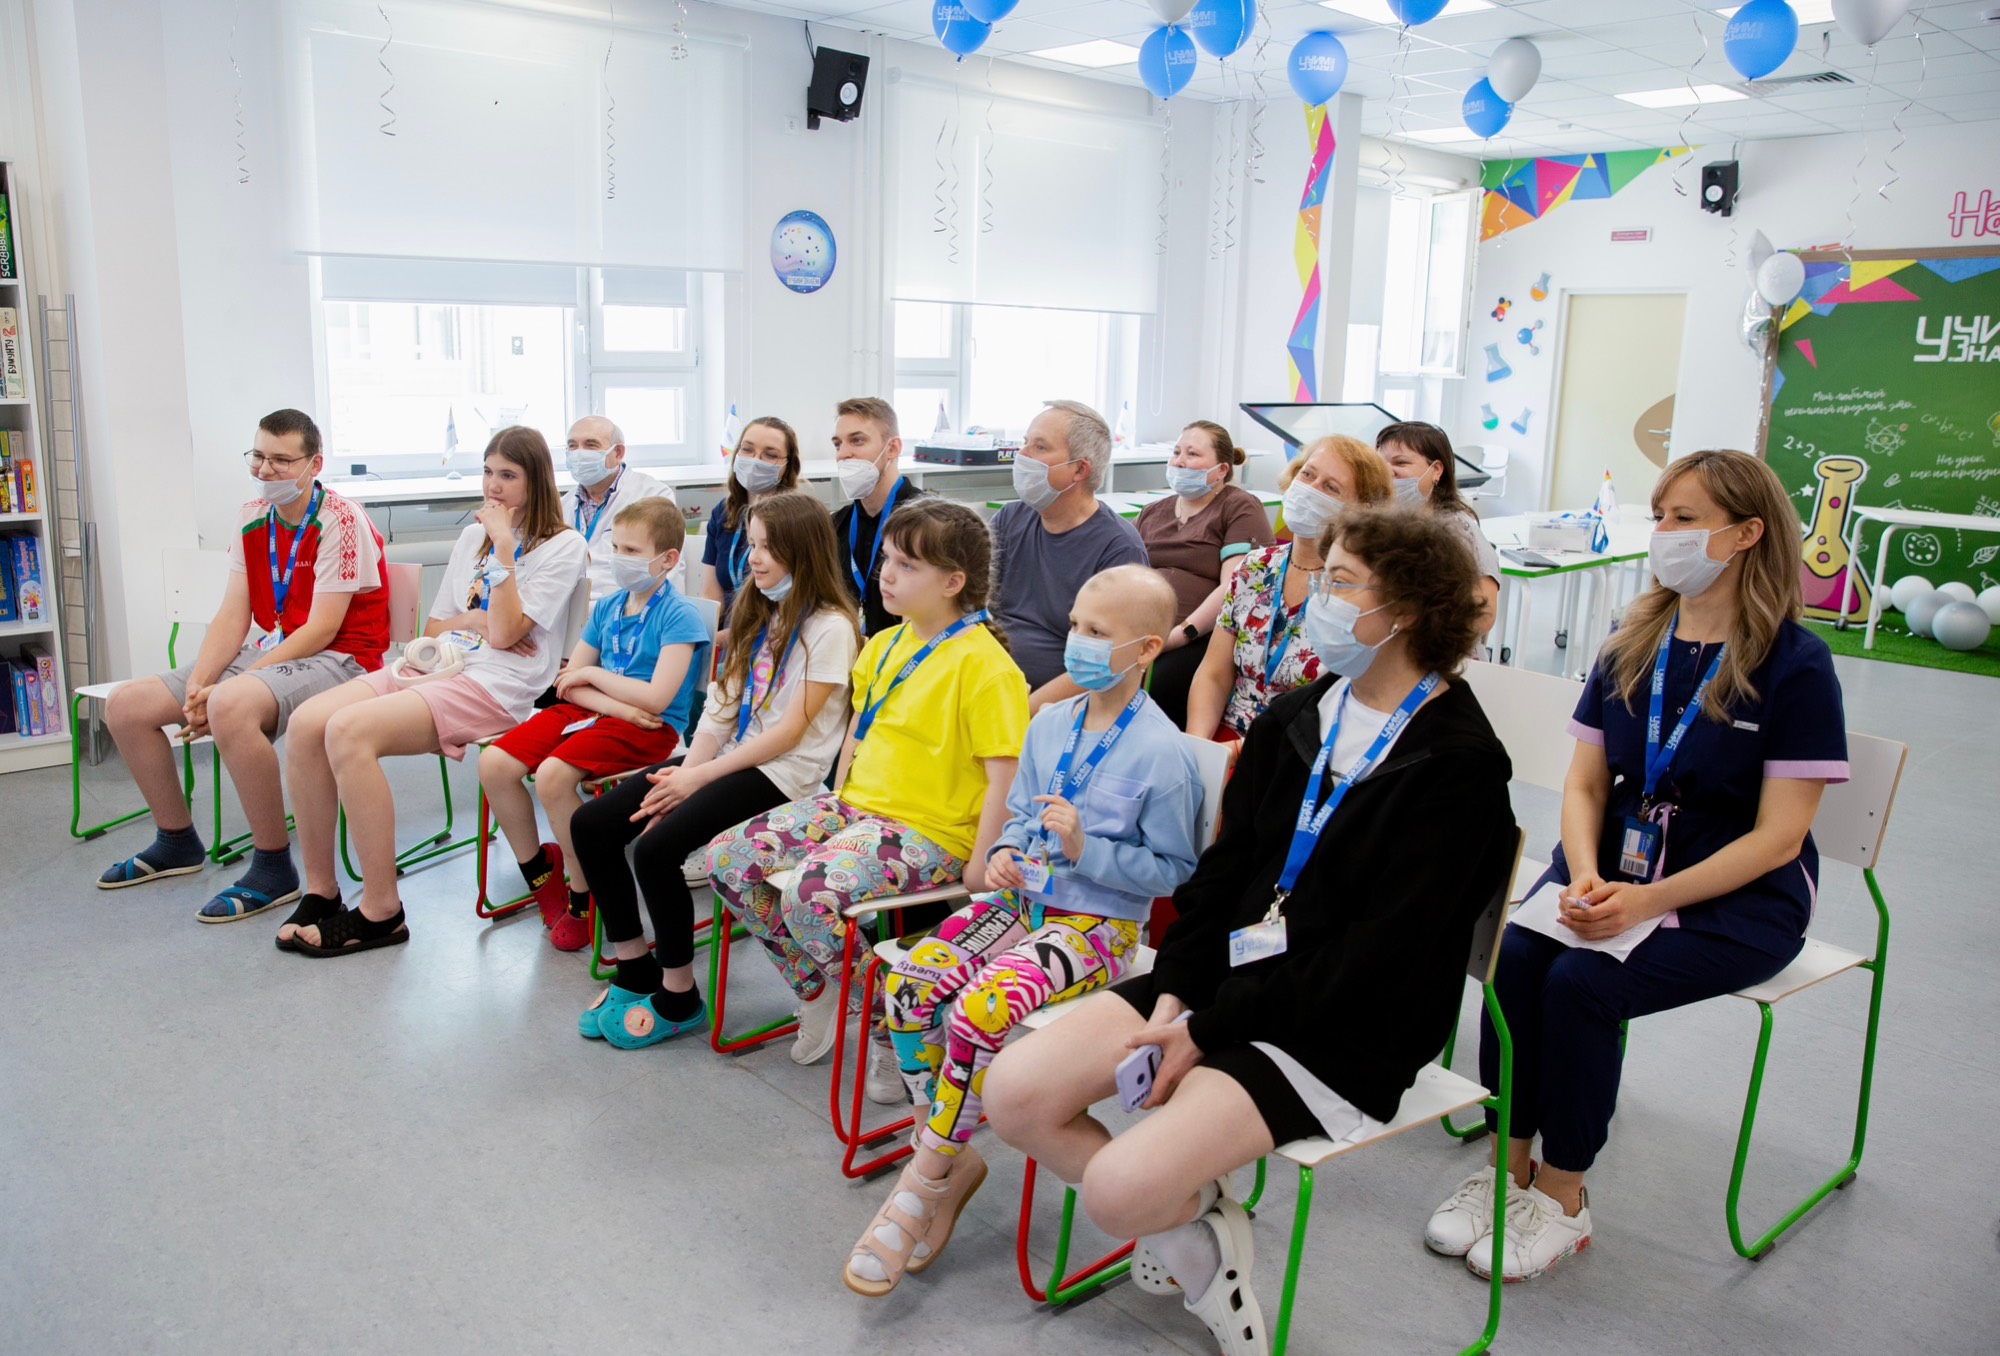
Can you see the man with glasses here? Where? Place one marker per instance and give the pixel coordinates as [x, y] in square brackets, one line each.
[306, 567]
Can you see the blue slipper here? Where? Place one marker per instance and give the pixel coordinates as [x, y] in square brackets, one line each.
[240, 901]
[640, 1025]
[137, 871]
[612, 1002]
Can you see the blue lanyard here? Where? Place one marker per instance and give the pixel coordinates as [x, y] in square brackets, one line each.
[747, 704]
[1066, 784]
[616, 632]
[1275, 644]
[486, 585]
[738, 552]
[1659, 757]
[281, 585]
[1305, 834]
[870, 709]
[597, 514]
[862, 576]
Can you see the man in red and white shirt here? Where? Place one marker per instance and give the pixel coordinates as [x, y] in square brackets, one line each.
[306, 567]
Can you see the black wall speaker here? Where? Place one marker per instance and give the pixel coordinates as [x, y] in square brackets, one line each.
[835, 92]
[1718, 187]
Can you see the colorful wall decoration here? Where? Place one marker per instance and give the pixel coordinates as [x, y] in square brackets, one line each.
[1305, 253]
[1521, 191]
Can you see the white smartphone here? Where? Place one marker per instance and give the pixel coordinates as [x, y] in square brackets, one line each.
[1135, 1074]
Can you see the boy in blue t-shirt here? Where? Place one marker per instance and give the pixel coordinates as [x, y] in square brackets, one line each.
[625, 696]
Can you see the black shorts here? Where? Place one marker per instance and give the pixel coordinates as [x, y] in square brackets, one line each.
[1284, 1113]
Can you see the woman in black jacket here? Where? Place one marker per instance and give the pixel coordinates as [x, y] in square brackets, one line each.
[1316, 965]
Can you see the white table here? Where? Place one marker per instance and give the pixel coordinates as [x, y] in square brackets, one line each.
[1892, 519]
[1582, 634]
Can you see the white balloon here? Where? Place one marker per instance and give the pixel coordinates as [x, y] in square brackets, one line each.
[1780, 279]
[1760, 250]
[1868, 21]
[1990, 601]
[1907, 590]
[1171, 11]
[1514, 69]
[1958, 591]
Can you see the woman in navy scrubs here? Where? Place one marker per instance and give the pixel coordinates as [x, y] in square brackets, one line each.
[1709, 727]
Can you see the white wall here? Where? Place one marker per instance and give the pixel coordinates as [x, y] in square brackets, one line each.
[1796, 191]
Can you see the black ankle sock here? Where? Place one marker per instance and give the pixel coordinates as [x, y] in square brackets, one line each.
[677, 1007]
[641, 974]
[536, 869]
[579, 903]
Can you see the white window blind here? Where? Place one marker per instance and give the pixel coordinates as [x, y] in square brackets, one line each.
[446, 282]
[1073, 202]
[513, 138]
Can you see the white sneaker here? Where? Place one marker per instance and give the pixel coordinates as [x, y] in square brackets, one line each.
[1464, 1218]
[885, 1075]
[819, 1028]
[1539, 1235]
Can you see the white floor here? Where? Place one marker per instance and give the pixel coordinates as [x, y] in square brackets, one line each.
[208, 1146]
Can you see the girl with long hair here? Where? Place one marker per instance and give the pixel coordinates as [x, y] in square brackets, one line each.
[766, 461]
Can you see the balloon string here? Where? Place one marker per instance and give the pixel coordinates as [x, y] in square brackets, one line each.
[1680, 189]
[242, 150]
[610, 128]
[387, 129]
[986, 158]
[1229, 190]
[1215, 190]
[1166, 180]
[1854, 176]
[1254, 162]
[680, 48]
[957, 114]
[1923, 69]
[1399, 102]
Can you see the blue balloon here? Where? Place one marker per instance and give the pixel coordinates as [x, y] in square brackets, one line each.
[1760, 37]
[1220, 26]
[1414, 12]
[957, 29]
[1318, 67]
[1486, 112]
[989, 11]
[1166, 61]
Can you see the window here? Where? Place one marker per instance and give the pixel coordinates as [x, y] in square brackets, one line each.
[1427, 289]
[425, 361]
[993, 366]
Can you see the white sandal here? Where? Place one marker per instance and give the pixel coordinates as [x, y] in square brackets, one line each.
[1228, 1306]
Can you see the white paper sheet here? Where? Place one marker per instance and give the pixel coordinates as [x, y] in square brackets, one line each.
[1538, 913]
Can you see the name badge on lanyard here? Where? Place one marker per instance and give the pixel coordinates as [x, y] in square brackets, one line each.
[281, 584]
[1639, 847]
[1266, 937]
[1036, 873]
[874, 708]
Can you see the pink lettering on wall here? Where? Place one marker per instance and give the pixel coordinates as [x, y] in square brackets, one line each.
[1982, 216]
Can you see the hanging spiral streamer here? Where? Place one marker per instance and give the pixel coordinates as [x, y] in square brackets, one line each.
[1397, 162]
[1694, 16]
[1923, 69]
[1254, 162]
[957, 117]
[680, 48]
[1229, 184]
[1215, 176]
[388, 128]
[1166, 180]
[610, 128]
[986, 158]
[1854, 175]
[242, 150]
[940, 222]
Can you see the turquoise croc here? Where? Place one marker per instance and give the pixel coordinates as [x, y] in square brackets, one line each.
[640, 1025]
[609, 1004]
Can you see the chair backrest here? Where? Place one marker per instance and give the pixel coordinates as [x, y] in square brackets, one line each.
[1854, 815]
[1530, 712]
[195, 581]
[711, 614]
[1212, 760]
[406, 600]
[1485, 957]
[578, 614]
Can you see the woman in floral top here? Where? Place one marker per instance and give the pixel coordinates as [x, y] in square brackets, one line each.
[1258, 648]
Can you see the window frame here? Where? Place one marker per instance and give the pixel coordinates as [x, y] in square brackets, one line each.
[1416, 300]
[1118, 341]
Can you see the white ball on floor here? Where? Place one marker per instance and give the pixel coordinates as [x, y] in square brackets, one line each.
[1956, 591]
[1961, 626]
[1907, 590]
[1921, 610]
[1989, 601]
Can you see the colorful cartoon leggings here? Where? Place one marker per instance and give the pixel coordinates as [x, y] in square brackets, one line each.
[841, 855]
[954, 998]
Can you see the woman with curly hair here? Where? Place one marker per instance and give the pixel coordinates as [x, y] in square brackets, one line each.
[1320, 952]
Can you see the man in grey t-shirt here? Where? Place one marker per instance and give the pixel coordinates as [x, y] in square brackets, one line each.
[1056, 536]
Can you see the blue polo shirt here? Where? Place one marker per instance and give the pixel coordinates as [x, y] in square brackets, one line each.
[1794, 727]
[640, 638]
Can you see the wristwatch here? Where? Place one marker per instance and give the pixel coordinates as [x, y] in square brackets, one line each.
[1191, 633]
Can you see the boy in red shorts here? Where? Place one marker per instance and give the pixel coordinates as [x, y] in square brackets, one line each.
[625, 696]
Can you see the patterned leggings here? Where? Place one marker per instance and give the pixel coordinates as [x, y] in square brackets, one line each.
[841, 856]
[954, 998]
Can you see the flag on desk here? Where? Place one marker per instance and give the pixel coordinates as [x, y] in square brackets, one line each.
[450, 433]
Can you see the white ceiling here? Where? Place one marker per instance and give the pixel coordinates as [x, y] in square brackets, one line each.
[1592, 50]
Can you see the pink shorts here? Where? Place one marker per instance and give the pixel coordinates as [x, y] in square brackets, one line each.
[463, 711]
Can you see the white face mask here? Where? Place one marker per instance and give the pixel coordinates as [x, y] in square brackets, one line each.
[1681, 562]
[1412, 491]
[1330, 623]
[858, 477]
[1308, 510]
[633, 573]
[588, 465]
[1189, 482]
[754, 475]
[278, 493]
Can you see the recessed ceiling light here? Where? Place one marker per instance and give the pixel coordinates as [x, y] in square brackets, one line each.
[1809, 11]
[1097, 53]
[1679, 96]
[1442, 134]
[1378, 11]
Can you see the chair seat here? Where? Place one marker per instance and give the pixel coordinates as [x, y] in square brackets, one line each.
[1819, 960]
[1437, 1092]
[862, 908]
[100, 691]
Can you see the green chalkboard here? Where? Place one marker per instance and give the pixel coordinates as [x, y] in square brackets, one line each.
[1884, 390]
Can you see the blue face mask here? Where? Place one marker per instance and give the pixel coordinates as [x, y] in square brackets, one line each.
[1087, 661]
[779, 591]
[1189, 482]
[1329, 630]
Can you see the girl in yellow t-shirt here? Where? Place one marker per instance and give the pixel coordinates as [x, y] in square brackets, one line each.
[940, 714]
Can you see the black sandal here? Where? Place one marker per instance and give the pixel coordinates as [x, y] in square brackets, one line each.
[312, 910]
[350, 931]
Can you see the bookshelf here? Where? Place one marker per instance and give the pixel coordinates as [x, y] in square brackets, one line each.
[23, 636]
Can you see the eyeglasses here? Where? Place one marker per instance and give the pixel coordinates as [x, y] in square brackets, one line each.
[1321, 583]
[257, 461]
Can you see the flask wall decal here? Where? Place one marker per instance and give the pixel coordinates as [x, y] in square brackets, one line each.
[1488, 419]
[1540, 291]
[1824, 555]
[1496, 366]
[1520, 425]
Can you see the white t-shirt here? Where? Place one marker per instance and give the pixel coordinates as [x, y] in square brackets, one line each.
[825, 654]
[546, 578]
[631, 486]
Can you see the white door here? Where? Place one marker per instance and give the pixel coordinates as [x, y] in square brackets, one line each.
[1621, 363]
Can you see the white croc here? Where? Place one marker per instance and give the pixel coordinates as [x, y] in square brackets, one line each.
[1148, 1272]
[1228, 1306]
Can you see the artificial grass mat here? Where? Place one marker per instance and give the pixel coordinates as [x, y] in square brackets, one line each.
[1895, 644]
